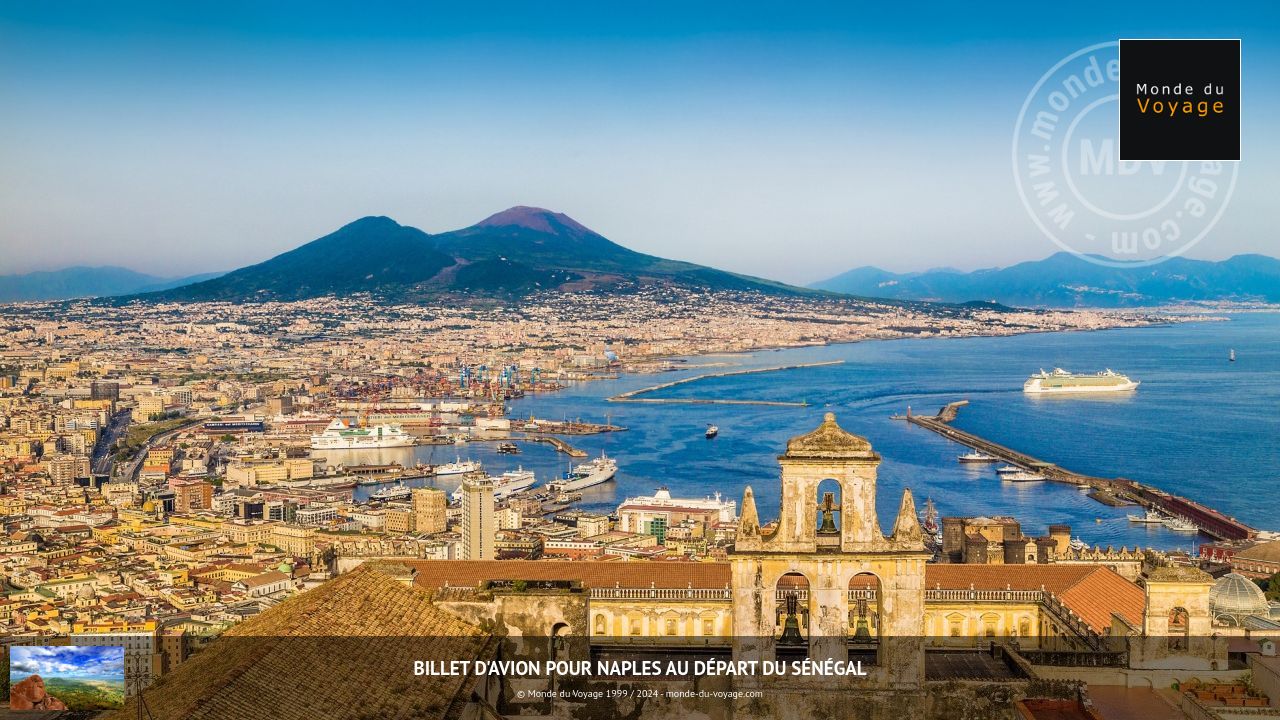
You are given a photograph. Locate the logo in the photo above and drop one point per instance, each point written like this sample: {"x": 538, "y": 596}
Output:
{"x": 1082, "y": 196}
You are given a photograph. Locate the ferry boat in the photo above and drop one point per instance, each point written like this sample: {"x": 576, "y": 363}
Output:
{"x": 399, "y": 491}
{"x": 712, "y": 431}
{"x": 1151, "y": 517}
{"x": 1022, "y": 476}
{"x": 507, "y": 484}
{"x": 585, "y": 475}
{"x": 1079, "y": 545}
{"x": 340, "y": 435}
{"x": 977, "y": 457}
{"x": 1062, "y": 381}
{"x": 508, "y": 449}
{"x": 1008, "y": 469}
{"x": 457, "y": 467}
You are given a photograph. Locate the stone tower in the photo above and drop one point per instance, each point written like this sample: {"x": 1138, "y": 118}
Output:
{"x": 849, "y": 566}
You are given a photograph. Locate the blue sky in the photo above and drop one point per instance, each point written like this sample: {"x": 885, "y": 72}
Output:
{"x": 105, "y": 661}
{"x": 792, "y": 141}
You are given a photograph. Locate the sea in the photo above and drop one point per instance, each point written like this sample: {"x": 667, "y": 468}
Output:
{"x": 1199, "y": 425}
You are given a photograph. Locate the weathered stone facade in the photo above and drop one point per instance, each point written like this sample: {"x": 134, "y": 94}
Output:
{"x": 832, "y": 560}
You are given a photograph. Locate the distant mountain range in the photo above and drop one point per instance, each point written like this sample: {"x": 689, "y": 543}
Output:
{"x": 512, "y": 253}
{"x": 1066, "y": 280}
{"x": 80, "y": 282}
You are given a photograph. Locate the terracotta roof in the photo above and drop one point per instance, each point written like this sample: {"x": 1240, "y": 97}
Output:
{"x": 339, "y": 651}
{"x": 1091, "y": 591}
{"x": 1262, "y": 552}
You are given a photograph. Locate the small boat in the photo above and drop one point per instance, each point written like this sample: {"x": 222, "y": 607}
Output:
{"x": 1022, "y": 476}
{"x": 977, "y": 457}
{"x": 1150, "y": 517}
{"x": 712, "y": 431}
{"x": 1231, "y": 356}
{"x": 1180, "y": 525}
{"x": 509, "y": 449}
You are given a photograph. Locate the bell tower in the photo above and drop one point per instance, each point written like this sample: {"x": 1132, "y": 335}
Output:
{"x": 861, "y": 592}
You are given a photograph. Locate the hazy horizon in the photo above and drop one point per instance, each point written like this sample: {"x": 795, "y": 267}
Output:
{"x": 180, "y": 140}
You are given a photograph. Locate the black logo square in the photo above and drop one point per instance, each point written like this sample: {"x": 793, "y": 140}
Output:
{"x": 1179, "y": 99}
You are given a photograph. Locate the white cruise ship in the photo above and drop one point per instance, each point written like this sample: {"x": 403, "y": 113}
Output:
{"x": 506, "y": 484}
{"x": 1061, "y": 381}
{"x": 588, "y": 474}
{"x": 341, "y": 435}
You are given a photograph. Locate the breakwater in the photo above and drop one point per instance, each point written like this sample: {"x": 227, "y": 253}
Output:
{"x": 1207, "y": 520}
{"x": 634, "y": 395}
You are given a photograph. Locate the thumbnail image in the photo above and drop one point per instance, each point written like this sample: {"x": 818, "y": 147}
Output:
{"x": 63, "y": 677}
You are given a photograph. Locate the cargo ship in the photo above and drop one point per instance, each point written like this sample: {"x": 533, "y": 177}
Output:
{"x": 1061, "y": 381}
{"x": 588, "y": 474}
{"x": 341, "y": 435}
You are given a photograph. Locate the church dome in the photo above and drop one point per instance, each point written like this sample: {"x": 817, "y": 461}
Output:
{"x": 830, "y": 442}
{"x": 148, "y": 507}
{"x": 1235, "y": 597}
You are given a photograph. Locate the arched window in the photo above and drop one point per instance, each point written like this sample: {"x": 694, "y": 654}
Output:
{"x": 1179, "y": 629}
{"x": 791, "y": 614}
{"x": 864, "y": 618}
{"x": 828, "y": 501}
{"x": 600, "y": 624}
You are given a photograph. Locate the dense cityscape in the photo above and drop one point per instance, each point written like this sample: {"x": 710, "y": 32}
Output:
{"x": 158, "y": 473}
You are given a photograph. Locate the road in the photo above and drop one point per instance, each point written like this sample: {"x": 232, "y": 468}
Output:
{"x": 100, "y": 460}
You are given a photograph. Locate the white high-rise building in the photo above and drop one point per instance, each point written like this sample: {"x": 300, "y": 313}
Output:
{"x": 479, "y": 526}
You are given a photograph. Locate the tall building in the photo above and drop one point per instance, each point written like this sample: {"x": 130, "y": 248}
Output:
{"x": 429, "y": 510}
{"x": 479, "y": 525}
{"x": 190, "y": 495}
{"x": 104, "y": 390}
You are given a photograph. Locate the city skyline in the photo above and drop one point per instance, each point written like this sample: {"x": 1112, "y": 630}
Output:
{"x": 176, "y": 141}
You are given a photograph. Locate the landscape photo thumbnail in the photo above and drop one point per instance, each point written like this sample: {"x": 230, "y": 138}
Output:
{"x": 45, "y": 677}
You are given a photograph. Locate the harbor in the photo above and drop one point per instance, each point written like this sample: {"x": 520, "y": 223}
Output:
{"x": 1110, "y": 491}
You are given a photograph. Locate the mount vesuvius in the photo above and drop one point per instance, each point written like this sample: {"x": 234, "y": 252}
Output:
{"x": 515, "y": 252}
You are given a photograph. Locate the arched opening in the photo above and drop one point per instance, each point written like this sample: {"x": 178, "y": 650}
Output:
{"x": 559, "y": 640}
{"x": 791, "y": 615}
{"x": 1179, "y": 629}
{"x": 865, "y": 623}
{"x": 600, "y": 624}
{"x": 828, "y": 501}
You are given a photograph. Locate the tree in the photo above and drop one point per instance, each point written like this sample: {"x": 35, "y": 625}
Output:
{"x": 1272, "y": 587}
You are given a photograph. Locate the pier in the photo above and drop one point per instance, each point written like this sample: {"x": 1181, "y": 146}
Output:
{"x": 634, "y": 395}
{"x": 1109, "y": 491}
{"x": 559, "y": 445}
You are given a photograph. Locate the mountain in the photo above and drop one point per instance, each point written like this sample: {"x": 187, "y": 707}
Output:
{"x": 511, "y": 253}
{"x": 1067, "y": 280}
{"x": 80, "y": 281}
